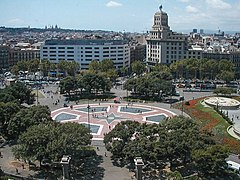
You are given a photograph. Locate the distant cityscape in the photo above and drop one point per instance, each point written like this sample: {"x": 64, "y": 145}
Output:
{"x": 159, "y": 45}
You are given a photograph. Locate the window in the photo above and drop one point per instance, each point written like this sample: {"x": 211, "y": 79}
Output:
{"x": 61, "y": 51}
{"x": 61, "y": 47}
{"x": 44, "y": 47}
{"x": 52, "y": 51}
{"x": 105, "y": 47}
{"x": 96, "y": 47}
{"x": 70, "y": 51}
{"x": 70, "y": 55}
{"x": 88, "y": 51}
{"x": 88, "y": 47}
{"x": 88, "y": 55}
{"x": 52, "y": 47}
{"x": 70, "y": 47}
{"x": 113, "y": 47}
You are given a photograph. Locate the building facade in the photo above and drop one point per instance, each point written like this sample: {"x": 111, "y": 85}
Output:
{"x": 16, "y": 55}
{"x": 164, "y": 45}
{"x": 84, "y": 51}
{"x": 4, "y": 56}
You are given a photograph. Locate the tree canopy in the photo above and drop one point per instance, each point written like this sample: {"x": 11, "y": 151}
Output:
{"x": 18, "y": 92}
{"x": 178, "y": 141}
{"x": 203, "y": 69}
{"x": 26, "y": 118}
{"x": 150, "y": 86}
{"x": 53, "y": 140}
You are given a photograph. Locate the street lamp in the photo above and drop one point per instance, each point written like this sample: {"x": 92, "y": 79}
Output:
{"x": 88, "y": 107}
{"x": 182, "y": 98}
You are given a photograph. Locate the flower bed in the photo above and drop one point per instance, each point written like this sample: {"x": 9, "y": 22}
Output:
{"x": 211, "y": 121}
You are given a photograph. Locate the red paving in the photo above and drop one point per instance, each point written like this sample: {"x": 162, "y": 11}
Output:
{"x": 94, "y": 117}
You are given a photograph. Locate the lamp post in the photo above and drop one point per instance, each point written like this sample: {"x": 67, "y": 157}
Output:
{"x": 182, "y": 98}
{"x": 88, "y": 107}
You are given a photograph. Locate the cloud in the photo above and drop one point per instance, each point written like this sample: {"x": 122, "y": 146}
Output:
{"x": 191, "y": 9}
{"x": 184, "y": 1}
{"x": 218, "y": 4}
{"x": 113, "y": 4}
{"x": 15, "y": 21}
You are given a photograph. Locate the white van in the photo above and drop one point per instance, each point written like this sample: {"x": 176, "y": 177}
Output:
{"x": 234, "y": 166}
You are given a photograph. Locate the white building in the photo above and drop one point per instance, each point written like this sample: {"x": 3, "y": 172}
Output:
{"x": 163, "y": 45}
{"x": 84, "y": 51}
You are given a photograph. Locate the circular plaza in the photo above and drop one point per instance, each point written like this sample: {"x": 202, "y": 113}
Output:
{"x": 102, "y": 118}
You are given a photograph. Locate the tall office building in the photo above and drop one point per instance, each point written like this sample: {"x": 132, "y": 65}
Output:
{"x": 194, "y": 31}
{"x": 84, "y": 51}
{"x": 164, "y": 45}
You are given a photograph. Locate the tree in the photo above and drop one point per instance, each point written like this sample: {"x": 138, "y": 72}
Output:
{"x": 33, "y": 65}
{"x": 53, "y": 140}
{"x": 162, "y": 71}
{"x": 106, "y": 65}
{"x": 94, "y": 66}
{"x": 45, "y": 66}
{"x": 68, "y": 84}
{"x": 25, "y": 118}
{"x": 172, "y": 141}
{"x": 211, "y": 161}
{"x": 7, "y": 112}
{"x": 15, "y": 70}
{"x": 20, "y": 92}
{"x": 124, "y": 70}
{"x": 72, "y": 67}
{"x": 138, "y": 67}
{"x": 224, "y": 90}
{"x": 226, "y": 76}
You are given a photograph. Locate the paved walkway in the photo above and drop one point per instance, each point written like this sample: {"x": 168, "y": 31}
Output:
{"x": 111, "y": 172}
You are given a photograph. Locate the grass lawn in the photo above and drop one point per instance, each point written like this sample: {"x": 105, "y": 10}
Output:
{"x": 40, "y": 95}
{"x": 211, "y": 121}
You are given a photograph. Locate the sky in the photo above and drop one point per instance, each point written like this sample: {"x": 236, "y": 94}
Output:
{"x": 121, "y": 15}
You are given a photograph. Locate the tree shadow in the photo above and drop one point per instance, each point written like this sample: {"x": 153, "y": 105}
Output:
{"x": 90, "y": 169}
{"x": 117, "y": 162}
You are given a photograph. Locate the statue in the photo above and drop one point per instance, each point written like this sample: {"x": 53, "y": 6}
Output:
{"x": 160, "y": 7}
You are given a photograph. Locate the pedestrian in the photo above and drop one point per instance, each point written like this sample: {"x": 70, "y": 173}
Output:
{"x": 105, "y": 154}
{"x": 1, "y": 154}
{"x": 97, "y": 148}
{"x": 71, "y": 107}
{"x": 17, "y": 171}
{"x": 23, "y": 166}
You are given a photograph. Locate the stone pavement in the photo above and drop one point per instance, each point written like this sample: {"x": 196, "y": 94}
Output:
{"x": 11, "y": 165}
{"x": 111, "y": 172}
